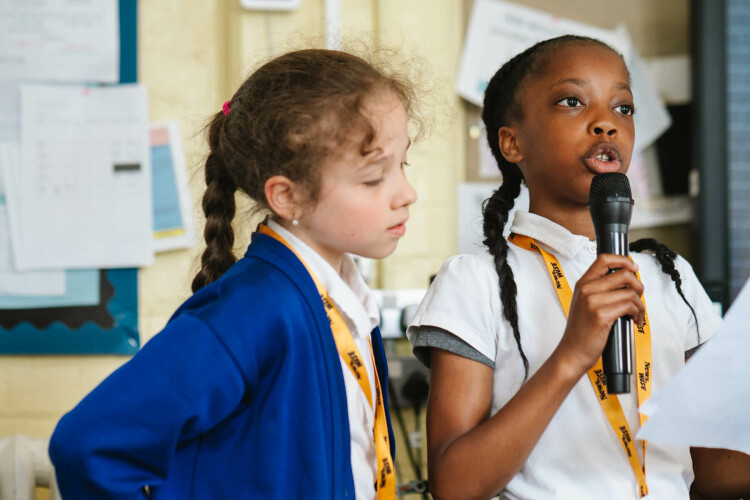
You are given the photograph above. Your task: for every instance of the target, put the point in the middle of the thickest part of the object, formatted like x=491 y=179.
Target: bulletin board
x=109 y=327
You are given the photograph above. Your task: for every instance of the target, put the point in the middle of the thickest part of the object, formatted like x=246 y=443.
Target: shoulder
x=472 y=265
x=465 y=273
x=268 y=280
x=257 y=302
x=249 y=287
x=652 y=269
x=464 y=300
x=694 y=304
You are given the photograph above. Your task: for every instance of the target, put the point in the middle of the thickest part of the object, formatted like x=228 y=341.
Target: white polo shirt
x=358 y=307
x=578 y=455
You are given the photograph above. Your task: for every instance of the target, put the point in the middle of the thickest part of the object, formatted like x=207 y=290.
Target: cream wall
x=192 y=55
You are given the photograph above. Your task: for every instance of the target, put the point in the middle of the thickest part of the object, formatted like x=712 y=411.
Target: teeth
x=603 y=157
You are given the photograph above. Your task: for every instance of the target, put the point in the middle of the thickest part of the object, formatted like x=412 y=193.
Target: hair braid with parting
x=502 y=108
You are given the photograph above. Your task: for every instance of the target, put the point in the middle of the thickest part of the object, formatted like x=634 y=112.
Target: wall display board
x=107 y=322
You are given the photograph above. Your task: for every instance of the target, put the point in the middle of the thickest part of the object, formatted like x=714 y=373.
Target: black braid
x=495 y=211
x=666 y=258
x=501 y=108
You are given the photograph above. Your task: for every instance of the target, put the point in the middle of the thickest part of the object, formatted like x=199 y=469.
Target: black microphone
x=611 y=208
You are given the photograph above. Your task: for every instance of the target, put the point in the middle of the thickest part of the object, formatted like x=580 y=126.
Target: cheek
x=351 y=221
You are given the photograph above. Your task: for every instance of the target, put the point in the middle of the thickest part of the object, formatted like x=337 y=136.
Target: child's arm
x=123 y=435
x=720 y=474
x=474 y=456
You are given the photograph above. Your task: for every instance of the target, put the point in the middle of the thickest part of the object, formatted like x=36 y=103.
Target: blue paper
x=81 y=289
x=165 y=199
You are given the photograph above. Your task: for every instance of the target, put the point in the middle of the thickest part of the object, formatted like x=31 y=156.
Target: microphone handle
x=617 y=357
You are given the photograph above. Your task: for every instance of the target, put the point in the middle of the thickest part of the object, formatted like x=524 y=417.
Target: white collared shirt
x=578 y=455
x=358 y=307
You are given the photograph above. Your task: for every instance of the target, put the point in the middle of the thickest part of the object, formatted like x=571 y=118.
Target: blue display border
x=90 y=338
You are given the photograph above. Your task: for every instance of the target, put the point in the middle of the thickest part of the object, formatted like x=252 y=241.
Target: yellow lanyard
x=610 y=403
x=385 y=484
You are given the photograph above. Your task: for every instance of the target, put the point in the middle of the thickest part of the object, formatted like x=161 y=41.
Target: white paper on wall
x=60 y=40
x=82 y=194
x=32 y=283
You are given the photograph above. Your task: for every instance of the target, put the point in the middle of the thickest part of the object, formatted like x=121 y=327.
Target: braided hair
x=285 y=119
x=501 y=108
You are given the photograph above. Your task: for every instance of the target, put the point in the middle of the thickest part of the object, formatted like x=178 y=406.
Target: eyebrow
x=377 y=155
x=586 y=83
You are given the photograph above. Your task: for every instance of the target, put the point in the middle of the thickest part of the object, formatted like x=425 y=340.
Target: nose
x=603 y=125
x=599 y=130
x=406 y=195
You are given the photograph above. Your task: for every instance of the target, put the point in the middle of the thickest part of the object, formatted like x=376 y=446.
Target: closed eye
x=373 y=183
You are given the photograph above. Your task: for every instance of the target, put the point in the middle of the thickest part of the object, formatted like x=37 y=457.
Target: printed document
x=81 y=196
x=707 y=403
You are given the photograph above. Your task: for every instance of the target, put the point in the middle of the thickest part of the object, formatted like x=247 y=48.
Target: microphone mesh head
x=609 y=185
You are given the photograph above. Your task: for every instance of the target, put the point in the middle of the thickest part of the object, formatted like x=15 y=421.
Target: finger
x=609 y=282
x=623 y=278
x=611 y=305
x=605 y=263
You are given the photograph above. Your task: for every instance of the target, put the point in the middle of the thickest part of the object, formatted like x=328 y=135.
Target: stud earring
x=295 y=222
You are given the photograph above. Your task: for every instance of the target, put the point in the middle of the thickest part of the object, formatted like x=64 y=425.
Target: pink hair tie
x=225 y=108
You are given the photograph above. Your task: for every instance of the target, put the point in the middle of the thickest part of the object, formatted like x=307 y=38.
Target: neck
x=576 y=219
x=335 y=259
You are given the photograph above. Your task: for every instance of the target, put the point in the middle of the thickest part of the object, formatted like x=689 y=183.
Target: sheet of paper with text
x=82 y=193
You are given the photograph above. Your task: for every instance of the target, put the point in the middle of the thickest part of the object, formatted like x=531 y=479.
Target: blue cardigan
x=240 y=396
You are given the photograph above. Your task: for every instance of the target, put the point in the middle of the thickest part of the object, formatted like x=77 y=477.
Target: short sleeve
x=709 y=319
x=463 y=299
x=426 y=337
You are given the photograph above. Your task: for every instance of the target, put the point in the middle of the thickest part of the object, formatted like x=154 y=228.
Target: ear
x=509 y=147
x=284 y=197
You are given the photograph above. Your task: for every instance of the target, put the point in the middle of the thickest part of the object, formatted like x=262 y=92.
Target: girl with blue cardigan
x=270 y=381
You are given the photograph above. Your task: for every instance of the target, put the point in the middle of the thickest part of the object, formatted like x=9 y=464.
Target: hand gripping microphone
x=611 y=208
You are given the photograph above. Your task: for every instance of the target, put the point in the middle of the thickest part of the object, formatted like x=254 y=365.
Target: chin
x=381 y=253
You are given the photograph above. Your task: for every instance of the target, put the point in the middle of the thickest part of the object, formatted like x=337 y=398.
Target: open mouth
x=604 y=157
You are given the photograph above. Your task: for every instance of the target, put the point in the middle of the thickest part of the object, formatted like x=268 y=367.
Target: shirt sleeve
x=122 y=436
x=708 y=317
x=464 y=300
x=426 y=337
